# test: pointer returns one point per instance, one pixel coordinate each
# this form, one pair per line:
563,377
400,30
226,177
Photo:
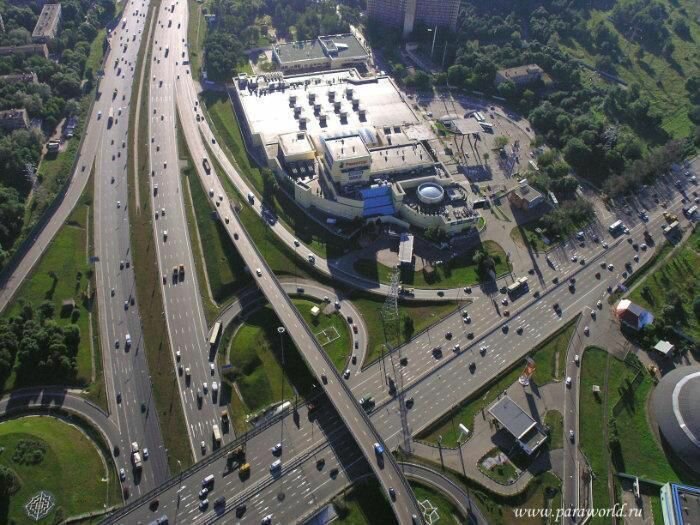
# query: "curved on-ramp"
32,400
447,487
252,297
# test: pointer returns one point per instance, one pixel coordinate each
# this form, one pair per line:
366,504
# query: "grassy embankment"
69,460
63,273
661,78
677,276
459,272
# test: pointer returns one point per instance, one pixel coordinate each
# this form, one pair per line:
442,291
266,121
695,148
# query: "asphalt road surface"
436,384
189,335
127,379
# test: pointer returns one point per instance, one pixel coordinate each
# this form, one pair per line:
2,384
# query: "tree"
9,482
420,81
270,183
223,52
696,306
500,141
577,153
11,215
46,309
507,89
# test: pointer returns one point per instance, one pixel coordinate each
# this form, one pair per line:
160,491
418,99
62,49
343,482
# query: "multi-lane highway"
104,144
436,383
193,358
318,458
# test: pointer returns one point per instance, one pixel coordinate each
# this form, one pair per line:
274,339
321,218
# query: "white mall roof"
271,114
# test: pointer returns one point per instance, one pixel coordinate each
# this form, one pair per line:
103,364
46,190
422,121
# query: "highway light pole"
432,48
281,330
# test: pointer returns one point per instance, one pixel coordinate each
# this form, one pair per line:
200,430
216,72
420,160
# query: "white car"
119,204
145,453
99,115
611,267
605,245
267,520
577,359
586,330
599,304
214,387
574,258
296,243
346,374
258,271
568,381
211,368
571,435
122,474
276,449
165,235
177,355
205,387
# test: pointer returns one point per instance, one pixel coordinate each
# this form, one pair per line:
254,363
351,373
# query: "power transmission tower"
390,311
391,322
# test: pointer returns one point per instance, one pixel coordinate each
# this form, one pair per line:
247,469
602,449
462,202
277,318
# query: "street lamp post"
177,503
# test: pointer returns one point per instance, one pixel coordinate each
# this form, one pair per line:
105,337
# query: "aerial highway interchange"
335,438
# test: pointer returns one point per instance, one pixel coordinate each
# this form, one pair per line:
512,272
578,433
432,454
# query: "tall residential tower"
405,13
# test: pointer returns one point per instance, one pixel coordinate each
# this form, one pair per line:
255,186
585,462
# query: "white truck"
136,456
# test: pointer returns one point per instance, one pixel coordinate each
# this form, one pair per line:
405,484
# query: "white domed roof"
430,193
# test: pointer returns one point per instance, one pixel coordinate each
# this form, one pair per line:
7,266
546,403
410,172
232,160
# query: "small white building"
664,347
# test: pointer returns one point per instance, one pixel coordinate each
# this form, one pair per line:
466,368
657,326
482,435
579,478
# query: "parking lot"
478,159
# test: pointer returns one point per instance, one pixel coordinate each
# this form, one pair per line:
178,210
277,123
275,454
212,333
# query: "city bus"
518,287
217,434
478,116
213,338
616,227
